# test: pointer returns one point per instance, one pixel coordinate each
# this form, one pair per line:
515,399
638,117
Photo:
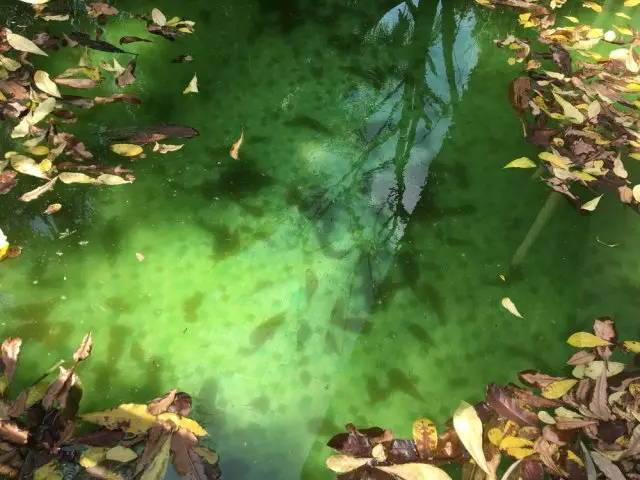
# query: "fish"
433,298
420,333
311,283
191,305
304,333
338,312
309,123
266,331
330,344
400,382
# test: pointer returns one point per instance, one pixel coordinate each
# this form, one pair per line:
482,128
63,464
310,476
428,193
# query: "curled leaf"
510,307
468,426
84,350
23,44
425,435
193,86
44,83
10,351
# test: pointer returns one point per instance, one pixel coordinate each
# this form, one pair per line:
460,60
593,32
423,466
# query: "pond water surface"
345,268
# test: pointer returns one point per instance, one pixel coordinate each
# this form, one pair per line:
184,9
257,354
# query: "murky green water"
345,269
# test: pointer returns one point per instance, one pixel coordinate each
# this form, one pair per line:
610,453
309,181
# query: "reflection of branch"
412,8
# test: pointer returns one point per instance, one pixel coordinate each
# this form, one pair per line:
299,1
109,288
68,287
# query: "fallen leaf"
554,160
73,177
23,44
235,148
112,180
86,41
99,8
82,83
37,192
595,368
58,390
415,471
127,149
594,109
599,403
468,426
48,471
508,407
13,433
581,358
558,388
10,351
35,2
160,460
44,83
522,162
93,456
631,3
510,307
425,435
636,193
121,454
193,86
53,208
140,257
345,463
39,151
131,39
570,112
166,148
545,417
591,205
517,447
84,350
187,462
592,6
127,77
27,166
7,181
632,346
118,97
184,423
606,466
158,17
131,417
208,455
586,340
162,404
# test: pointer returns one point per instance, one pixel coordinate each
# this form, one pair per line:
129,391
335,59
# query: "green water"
345,269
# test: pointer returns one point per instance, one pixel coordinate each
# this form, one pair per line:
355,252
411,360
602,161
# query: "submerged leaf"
37,192
468,426
558,388
235,148
53,208
193,86
510,307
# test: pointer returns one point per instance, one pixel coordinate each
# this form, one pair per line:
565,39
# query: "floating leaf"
522,162
558,388
9,63
631,3
184,423
636,193
632,346
592,6
210,456
592,204
44,83
12,432
81,83
158,17
37,192
84,350
235,148
555,160
23,44
121,454
606,466
510,306
73,177
193,86
425,435
517,447
573,19
139,257
166,148
571,112
158,466
594,109
127,76
131,417
586,340
187,463
39,151
468,426
345,463
48,471
127,149
508,407
624,15
545,417
415,471
10,350
109,179
93,456
594,369
27,166
53,208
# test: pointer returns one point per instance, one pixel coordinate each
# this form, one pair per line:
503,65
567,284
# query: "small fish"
399,381
434,298
312,283
420,333
304,333
266,330
310,124
338,312
330,344
235,148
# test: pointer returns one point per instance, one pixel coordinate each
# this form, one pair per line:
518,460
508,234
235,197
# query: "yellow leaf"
23,44
594,369
623,15
132,417
345,463
634,87
184,422
127,149
584,176
158,467
591,205
635,156
593,6
73,177
510,306
45,165
572,113
36,393
27,165
631,3
425,435
586,340
39,151
193,86
48,471
93,456
610,36
44,83
632,345
495,436
522,162
594,109
553,159
210,456
558,388
158,17
416,471
623,30
9,63
573,19
469,429
108,179
511,442
545,417
574,458
53,208
121,454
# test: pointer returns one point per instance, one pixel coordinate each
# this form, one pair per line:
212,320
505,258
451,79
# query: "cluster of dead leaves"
38,436
578,103
577,427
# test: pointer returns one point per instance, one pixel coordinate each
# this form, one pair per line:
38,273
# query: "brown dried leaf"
84,350
100,8
566,423
19,405
119,97
7,181
131,39
519,95
157,438
59,388
162,404
599,403
425,435
11,432
508,407
83,83
187,463
10,351
605,329
127,77
581,358
531,399
533,378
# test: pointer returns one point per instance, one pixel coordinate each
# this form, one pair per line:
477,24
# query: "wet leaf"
184,423
235,148
187,462
127,77
86,41
593,6
581,358
345,463
159,460
132,418
158,17
558,388
182,59
416,471
11,432
48,471
118,97
37,192
425,435
193,86
570,112
599,404
469,429
586,340
96,9
522,162
7,181
162,404
208,455
23,44
606,466
166,148
121,454
508,407
632,346
58,390
80,83
516,447
545,417
595,368
131,39
636,193
93,456
44,83
510,307
10,351
73,177
53,208
127,149
631,3
553,159
84,350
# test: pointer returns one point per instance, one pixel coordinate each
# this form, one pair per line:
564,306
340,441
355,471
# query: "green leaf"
572,113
